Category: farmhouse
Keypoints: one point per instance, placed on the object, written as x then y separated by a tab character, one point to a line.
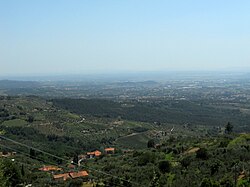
71	175
93	154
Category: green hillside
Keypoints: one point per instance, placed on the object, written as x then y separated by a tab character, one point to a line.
42	132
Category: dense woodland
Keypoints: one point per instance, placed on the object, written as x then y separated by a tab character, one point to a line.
199	112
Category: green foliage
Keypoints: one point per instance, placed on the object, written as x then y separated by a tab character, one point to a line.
214	168
9	173
208	183
4	113
244	182
186	161
146	157
202	153
30	119
75	183
15	123
32	153
164	166
224	143
243	139
151	143
166	180
170	111
75	159
226	182
229	128
169	156
136	141
64	134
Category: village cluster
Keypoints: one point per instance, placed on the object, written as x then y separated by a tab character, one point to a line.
59	174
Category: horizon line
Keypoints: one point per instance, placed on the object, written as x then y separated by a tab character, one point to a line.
105	73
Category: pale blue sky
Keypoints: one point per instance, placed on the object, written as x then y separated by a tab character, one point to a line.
98	36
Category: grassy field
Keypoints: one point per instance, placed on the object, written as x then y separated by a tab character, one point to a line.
136	141
15	123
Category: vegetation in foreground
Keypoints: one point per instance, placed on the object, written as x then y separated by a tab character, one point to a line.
147	154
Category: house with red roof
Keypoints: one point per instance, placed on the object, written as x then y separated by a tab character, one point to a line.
71	175
110	150
93	154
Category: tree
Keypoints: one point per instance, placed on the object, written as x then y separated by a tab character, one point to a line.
226	182
75	159
185	162
32	153
244	182
145	158
75	183
202	154
30	119
164	166
9	173
126	182
155	180
151	143
208	183
229	128
22	170
214	168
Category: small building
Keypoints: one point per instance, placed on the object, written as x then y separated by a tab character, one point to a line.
63	176
50	168
71	175
93	154
80	174
110	150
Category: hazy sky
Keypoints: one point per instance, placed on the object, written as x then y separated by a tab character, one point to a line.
89	36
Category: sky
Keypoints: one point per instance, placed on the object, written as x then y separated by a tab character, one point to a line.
45	37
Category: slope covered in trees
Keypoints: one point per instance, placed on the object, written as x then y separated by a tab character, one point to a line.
41	132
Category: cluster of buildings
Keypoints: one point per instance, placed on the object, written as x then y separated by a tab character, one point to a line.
64	176
75	174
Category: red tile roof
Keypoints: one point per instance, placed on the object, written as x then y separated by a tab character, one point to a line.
109	149
78	174
96	153
73	175
63	176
